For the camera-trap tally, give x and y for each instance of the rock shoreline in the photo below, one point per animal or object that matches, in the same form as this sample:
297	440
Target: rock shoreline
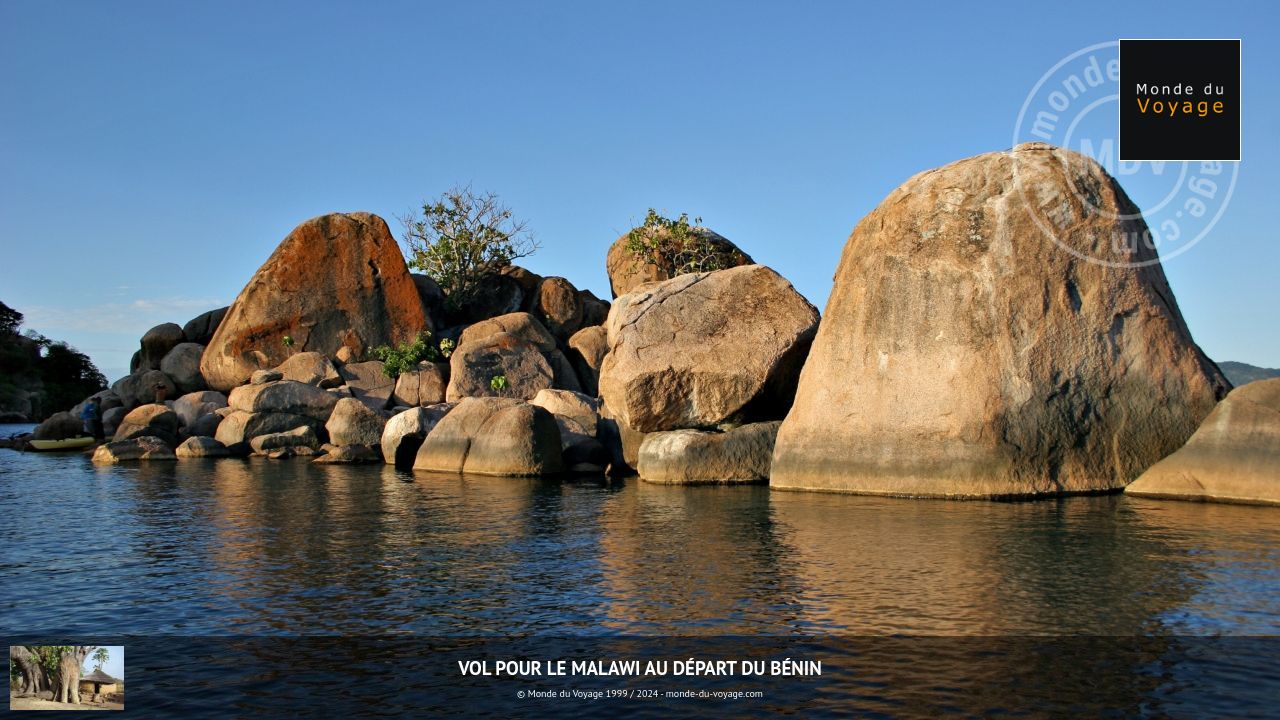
961	355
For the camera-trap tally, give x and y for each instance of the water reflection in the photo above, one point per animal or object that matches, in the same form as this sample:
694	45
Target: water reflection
208	547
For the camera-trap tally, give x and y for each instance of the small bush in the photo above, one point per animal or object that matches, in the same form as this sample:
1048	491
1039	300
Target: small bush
406	356
677	246
498	383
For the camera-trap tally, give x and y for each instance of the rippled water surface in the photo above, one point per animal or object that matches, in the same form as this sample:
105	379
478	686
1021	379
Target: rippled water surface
270	547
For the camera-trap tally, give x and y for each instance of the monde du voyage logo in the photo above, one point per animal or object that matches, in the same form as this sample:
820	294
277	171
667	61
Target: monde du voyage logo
1163	117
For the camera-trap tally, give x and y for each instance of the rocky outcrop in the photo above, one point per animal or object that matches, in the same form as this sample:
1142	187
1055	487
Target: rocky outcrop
474	365
156	343
311	368
497	294
201	447
284	396
140	388
337	281
368	383
522	325
111	420
150	421
240	427
193	406
348	455
298	437
493	436
59	426
693	457
403	434
587	349
582	410
558	304
182	366
138	448
353	423
705	349
424	385
1234	456
964	353
627	270
200	329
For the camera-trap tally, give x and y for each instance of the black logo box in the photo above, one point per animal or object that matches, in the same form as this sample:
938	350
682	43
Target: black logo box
1180	65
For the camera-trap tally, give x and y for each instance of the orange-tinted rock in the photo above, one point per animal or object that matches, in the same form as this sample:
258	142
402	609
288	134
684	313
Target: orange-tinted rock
337	281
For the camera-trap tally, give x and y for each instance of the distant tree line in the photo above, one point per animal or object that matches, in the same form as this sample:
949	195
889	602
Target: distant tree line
46	375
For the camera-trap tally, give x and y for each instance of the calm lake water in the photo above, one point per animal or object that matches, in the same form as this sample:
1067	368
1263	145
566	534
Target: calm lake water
259	547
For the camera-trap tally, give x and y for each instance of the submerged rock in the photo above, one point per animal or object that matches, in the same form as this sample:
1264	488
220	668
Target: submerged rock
138	448
1233	457
965	354
493	436
405	432
685	457
337	282
201	447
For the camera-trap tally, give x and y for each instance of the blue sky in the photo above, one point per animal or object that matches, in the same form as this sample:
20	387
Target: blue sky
152	154
114	666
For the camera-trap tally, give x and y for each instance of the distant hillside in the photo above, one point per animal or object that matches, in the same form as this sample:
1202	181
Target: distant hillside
1240	373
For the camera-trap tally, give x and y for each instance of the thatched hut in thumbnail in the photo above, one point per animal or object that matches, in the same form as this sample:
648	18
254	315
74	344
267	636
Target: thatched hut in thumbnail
98	683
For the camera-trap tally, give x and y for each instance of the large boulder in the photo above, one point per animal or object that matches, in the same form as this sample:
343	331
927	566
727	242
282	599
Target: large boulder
337	281
520	324
432	297
628	270
140	387
201	447
424	385
111	420
156	343
150	421
583	410
1233	457
241	427
284	396
587	349
204	426
691	457
496	294
705	349
965	354
354	423
59	426
594	310
368	383
312	368
404	433
475	364
193	406
559	305
138	448
182	366
298	437
493	436
200	329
